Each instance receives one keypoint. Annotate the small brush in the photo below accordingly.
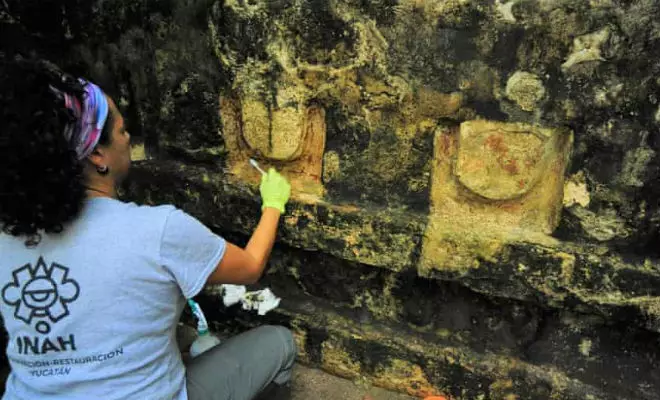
(255, 165)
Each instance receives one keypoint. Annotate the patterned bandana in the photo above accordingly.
(84, 133)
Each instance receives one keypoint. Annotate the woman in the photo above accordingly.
(93, 288)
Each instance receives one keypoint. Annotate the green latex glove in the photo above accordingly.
(275, 190)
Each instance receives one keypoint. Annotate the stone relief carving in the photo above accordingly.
(502, 162)
(493, 182)
(287, 133)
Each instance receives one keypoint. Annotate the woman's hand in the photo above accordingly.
(275, 190)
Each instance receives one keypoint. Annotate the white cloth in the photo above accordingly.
(261, 300)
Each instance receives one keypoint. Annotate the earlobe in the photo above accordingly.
(98, 160)
(97, 156)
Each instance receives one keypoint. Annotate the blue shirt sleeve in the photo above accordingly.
(190, 251)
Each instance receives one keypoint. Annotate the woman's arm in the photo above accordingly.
(245, 265)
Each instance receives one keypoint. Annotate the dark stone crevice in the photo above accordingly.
(486, 325)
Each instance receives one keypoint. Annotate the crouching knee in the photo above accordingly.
(282, 336)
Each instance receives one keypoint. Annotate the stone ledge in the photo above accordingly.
(592, 279)
(402, 360)
(344, 231)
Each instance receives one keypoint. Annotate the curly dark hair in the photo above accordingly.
(41, 180)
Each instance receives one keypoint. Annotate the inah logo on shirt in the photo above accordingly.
(41, 293)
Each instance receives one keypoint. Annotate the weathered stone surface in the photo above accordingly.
(446, 354)
(486, 190)
(588, 48)
(289, 139)
(506, 161)
(444, 233)
(525, 89)
(591, 278)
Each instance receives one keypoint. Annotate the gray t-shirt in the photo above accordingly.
(92, 312)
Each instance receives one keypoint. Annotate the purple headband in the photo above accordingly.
(83, 135)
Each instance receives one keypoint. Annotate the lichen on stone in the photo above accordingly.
(587, 48)
(525, 89)
(576, 191)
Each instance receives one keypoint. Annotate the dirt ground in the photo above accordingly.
(313, 384)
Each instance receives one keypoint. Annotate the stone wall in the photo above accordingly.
(476, 198)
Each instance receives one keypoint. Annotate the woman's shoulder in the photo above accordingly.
(161, 211)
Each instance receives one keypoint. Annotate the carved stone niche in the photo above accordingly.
(290, 138)
(493, 183)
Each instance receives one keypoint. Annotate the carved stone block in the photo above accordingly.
(290, 138)
(493, 183)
